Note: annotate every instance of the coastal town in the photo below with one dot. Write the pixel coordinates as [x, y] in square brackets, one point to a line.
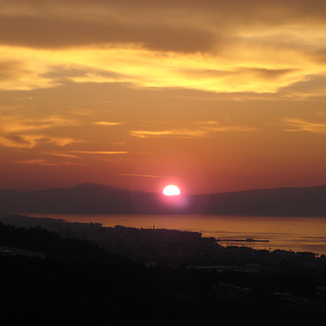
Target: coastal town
[178, 265]
[171, 246]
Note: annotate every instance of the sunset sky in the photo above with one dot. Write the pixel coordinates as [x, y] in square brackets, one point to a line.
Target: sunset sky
[209, 95]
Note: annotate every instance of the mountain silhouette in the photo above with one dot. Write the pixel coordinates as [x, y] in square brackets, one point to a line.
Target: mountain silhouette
[90, 198]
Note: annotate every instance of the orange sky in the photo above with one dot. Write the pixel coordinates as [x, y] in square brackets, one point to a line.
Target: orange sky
[210, 95]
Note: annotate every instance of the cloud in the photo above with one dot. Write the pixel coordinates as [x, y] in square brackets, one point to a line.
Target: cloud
[19, 141]
[11, 70]
[61, 154]
[22, 123]
[302, 125]
[47, 163]
[15, 131]
[18, 74]
[215, 46]
[242, 12]
[61, 141]
[142, 176]
[100, 76]
[207, 128]
[24, 98]
[62, 33]
[209, 122]
[107, 123]
[312, 86]
[267, 74]
[99, 152]
[261, 73]
[32, 140]
[175, 133]
[245, 68]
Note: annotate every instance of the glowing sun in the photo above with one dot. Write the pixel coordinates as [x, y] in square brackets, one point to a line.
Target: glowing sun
[171, 190]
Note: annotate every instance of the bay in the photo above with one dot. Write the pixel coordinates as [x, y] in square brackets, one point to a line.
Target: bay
[299, 234]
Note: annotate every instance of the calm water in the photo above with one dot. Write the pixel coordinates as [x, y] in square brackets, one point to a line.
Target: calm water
[289, 233]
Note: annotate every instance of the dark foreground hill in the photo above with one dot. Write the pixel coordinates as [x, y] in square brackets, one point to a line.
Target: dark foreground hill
[80, 284]
[99, 199]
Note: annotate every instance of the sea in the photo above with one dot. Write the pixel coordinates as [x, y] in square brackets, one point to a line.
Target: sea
[298, 234]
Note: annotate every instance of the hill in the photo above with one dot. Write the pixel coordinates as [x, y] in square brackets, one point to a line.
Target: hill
[305, 201]
[79, 284]
[100, 199]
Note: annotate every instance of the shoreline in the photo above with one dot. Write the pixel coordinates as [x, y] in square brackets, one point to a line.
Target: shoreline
[65, 228]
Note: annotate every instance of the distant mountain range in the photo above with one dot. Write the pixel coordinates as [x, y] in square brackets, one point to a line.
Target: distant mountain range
[91, 198]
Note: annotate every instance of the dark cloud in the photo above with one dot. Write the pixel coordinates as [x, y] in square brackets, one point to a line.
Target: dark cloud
[61, 73]
[267, 74]
[227, 9]
[42, 32]
[319, 56]
[167, 25]
[19, 140]
[207, 73]
[11, 70]
[296, 5]
[13, 140]
[312, 85]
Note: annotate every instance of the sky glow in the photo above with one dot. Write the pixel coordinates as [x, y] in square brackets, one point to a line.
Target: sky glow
[212, 95]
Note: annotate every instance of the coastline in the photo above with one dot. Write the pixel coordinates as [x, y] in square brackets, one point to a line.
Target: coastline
[66, 228]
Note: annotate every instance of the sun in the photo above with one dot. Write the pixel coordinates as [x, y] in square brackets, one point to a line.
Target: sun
[171, 190]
